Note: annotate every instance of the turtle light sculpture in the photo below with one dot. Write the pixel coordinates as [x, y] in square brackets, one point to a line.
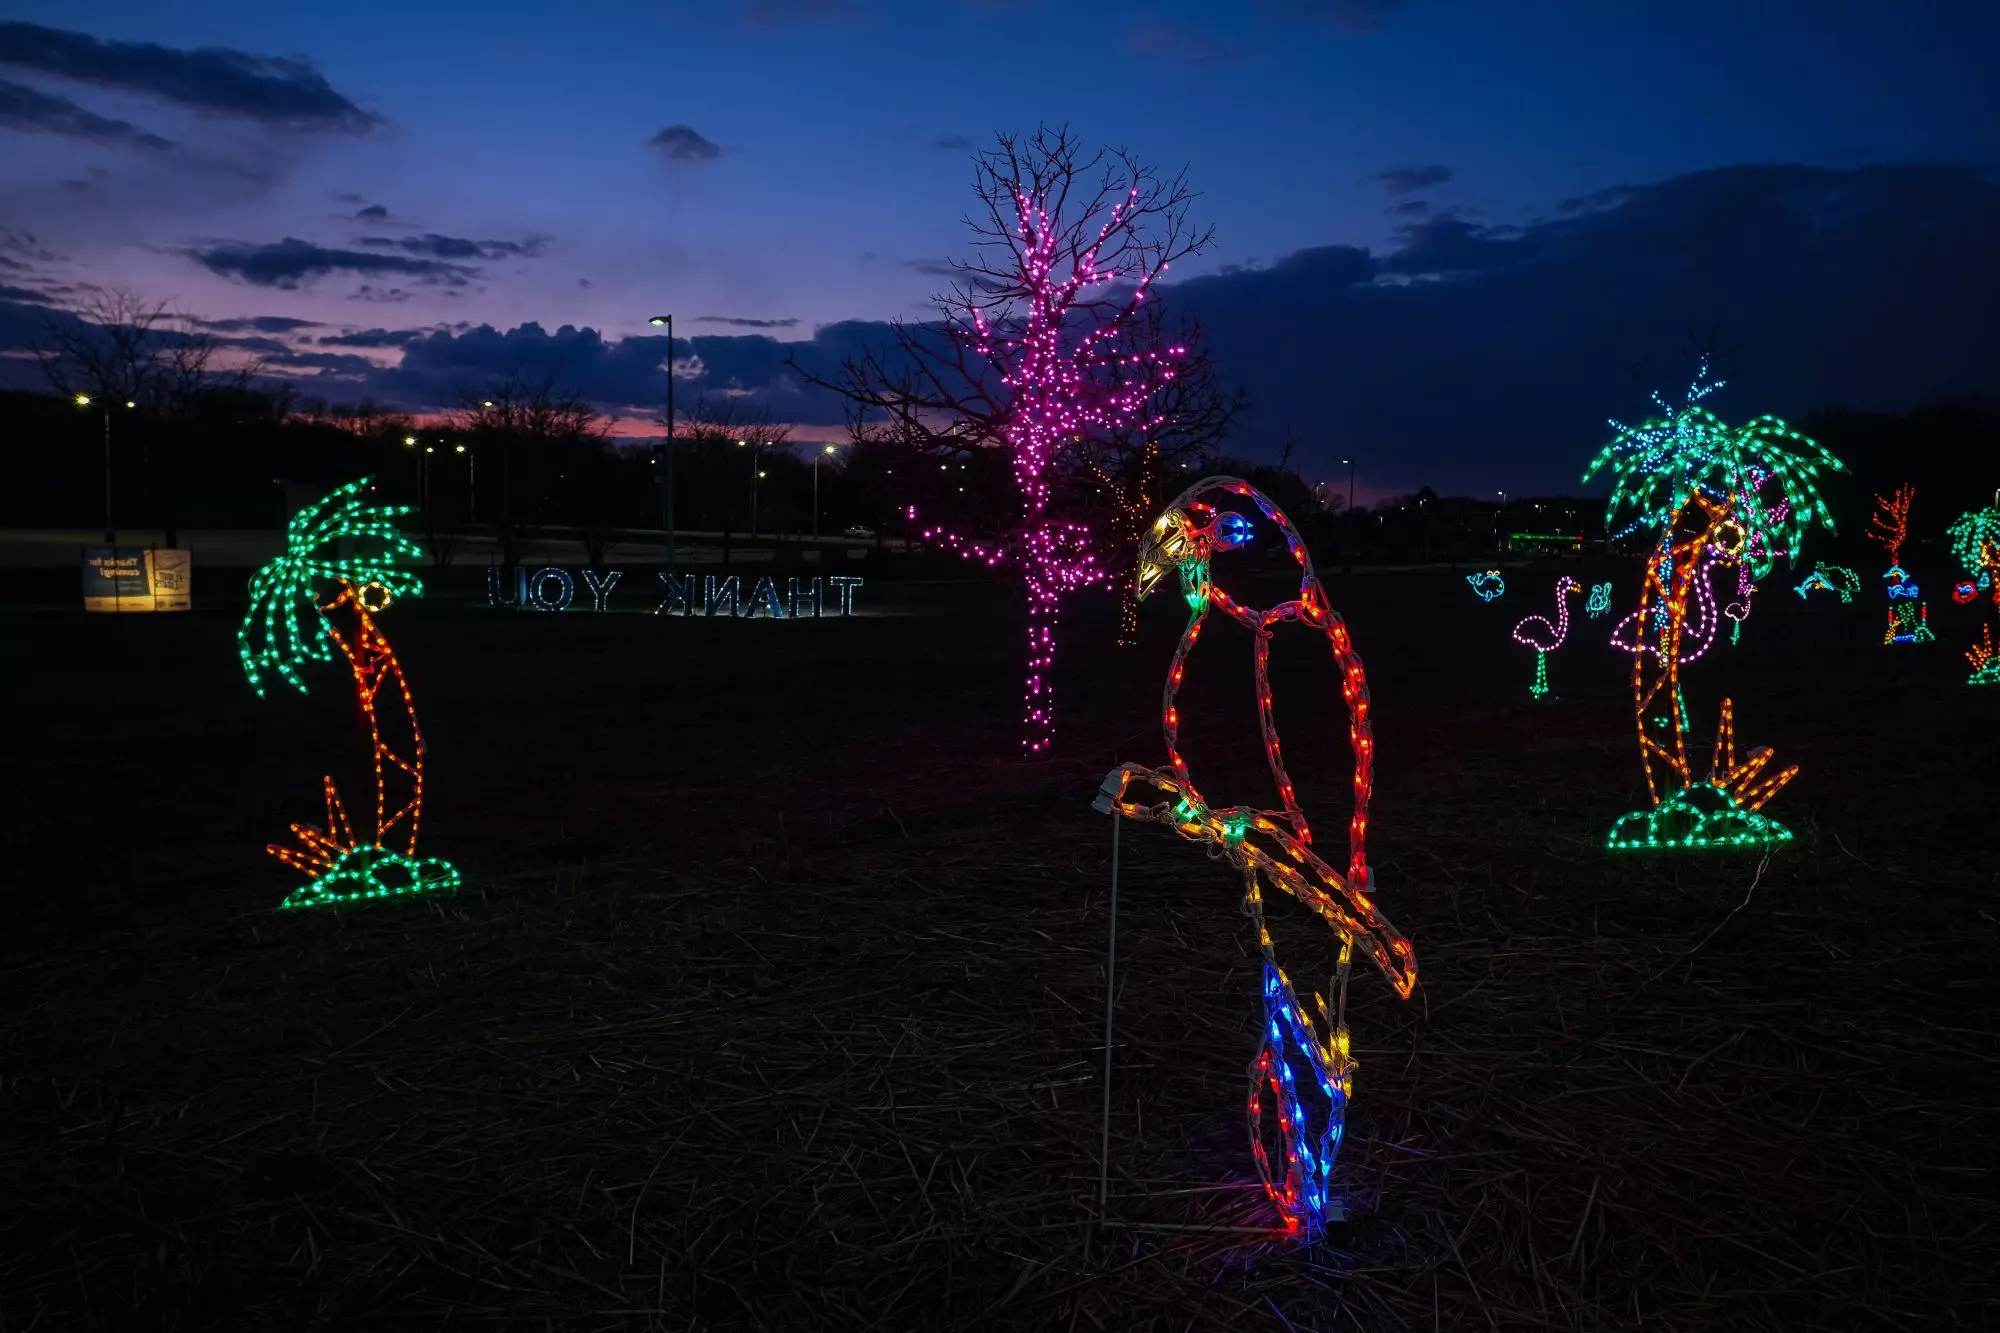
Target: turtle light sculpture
[1303, 1073]
[289, 626]
[1700, 485]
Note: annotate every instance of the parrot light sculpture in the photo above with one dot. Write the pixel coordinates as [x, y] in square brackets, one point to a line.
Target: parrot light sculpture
[1301, 1050]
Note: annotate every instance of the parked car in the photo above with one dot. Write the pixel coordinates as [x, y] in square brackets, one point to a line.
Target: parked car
[859, 533]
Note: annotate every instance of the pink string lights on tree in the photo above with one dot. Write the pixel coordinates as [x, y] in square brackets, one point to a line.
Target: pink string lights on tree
[1040, 344]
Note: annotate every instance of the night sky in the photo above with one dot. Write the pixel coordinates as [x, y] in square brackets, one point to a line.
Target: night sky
[1451, 237]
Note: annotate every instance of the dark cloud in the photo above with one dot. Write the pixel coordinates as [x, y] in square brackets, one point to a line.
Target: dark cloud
[784, 13]
[33, 111]
[952, 143]
[746, 323]
[1411, 208]
[372, 213]
[371, 338]
[382, 295]
[212, 80]
[259, 324]
[1498, 364]
[342, 364]
[931, 268]
[1448, 244]
[1355, 16]
[29, 295]
[680, 143]
[292, 263]
[1180, 44]
[1408, 180]
[458, 247]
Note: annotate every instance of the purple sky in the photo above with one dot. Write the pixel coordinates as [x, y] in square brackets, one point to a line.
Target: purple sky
[1550, 177]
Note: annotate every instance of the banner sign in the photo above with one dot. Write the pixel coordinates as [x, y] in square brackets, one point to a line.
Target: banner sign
[553, 589]
[133, 578]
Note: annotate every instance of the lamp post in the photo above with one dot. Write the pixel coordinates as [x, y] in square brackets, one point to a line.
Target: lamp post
[825, 452]
[1350, 483]
[667, 490]
[83, 401]
[471, 486]
[756, 447]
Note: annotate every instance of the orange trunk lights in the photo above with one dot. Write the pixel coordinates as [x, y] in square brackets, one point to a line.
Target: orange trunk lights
[347, 547]
[1701, 485]
[1299, 1048]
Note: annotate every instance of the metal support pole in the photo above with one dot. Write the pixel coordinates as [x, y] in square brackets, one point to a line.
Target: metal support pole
[110, 532]
[1110, 993]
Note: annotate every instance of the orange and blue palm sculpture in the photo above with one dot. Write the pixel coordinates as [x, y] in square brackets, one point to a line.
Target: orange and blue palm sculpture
[343, 549]
[1303, 1073]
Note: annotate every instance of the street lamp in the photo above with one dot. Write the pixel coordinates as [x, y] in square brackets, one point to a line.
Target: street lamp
[825, 452]
[471, 485]
[83, 400]
[667, 497]
[756, 447]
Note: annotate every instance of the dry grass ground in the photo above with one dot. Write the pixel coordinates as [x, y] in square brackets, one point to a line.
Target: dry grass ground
[774, 998]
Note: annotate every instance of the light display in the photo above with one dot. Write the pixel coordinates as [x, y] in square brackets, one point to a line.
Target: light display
[1700, 485]
[287, 626]
[1303, 1073]
[1975, 543]
[1487, 583]
[1536, 632]
[1889, 527]
[1830, 578]
[688, 595]
[600, 585]
[1054, 345]
[540, 599]
[1600, 600]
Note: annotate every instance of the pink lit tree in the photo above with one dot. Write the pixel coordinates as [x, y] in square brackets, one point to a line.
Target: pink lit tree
[1039, 345]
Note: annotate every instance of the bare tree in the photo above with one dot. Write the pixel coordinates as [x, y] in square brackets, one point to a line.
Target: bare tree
[1033, 346]
[537, 428]
[126, 354]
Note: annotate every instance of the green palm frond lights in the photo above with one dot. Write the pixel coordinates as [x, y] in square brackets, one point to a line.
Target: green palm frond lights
[286, 625]
[1659, 465]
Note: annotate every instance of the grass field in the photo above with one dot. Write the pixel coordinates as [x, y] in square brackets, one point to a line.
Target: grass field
[774, 997]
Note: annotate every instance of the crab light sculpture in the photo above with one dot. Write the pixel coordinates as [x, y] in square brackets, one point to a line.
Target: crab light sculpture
[290, 625]
[1975, 541]
[1701, 485]
[1303, 1073]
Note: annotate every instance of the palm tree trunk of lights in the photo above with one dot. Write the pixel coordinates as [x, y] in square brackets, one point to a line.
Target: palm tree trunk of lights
[1656, 666]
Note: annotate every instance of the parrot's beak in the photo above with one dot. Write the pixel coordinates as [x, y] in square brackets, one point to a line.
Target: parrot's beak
[1160, 550]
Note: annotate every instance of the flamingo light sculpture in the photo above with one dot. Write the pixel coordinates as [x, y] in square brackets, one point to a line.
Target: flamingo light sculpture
[1536, 632]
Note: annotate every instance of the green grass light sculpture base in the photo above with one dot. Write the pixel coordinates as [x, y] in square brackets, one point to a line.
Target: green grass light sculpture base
[369, 873]
[1700, 815]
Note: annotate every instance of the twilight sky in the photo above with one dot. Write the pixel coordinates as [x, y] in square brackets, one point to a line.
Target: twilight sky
[1452, 236]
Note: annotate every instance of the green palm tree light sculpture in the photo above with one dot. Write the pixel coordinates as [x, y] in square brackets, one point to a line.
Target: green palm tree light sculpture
[1719, 497]
[339, 556]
